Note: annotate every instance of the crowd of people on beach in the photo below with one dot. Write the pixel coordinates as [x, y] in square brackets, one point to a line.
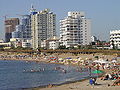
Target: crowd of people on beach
[112, 76]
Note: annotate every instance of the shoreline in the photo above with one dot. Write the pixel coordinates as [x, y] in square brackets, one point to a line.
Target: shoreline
[55, 85]
[80, 85]
[61, 84]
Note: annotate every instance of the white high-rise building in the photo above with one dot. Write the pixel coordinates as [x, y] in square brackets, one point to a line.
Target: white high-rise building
[115, 39]
[75, 30]
[43, 26]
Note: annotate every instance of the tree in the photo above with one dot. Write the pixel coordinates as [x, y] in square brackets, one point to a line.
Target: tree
[62, 47]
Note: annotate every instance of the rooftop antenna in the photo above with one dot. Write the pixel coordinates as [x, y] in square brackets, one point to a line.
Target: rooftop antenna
[32, 8]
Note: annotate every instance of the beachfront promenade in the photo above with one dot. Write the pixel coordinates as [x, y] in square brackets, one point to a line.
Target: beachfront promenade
[76, 51]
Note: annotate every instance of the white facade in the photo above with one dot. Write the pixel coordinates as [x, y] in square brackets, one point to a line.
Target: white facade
[53, 45]
[1, 41]
[115, 38]
[8, 44]
[75, 29]
[43, 26]
[44, 44]
[20, 42]
[26, 44]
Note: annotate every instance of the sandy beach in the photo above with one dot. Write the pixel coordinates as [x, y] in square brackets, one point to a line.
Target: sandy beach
[82, 85]
[35, 57]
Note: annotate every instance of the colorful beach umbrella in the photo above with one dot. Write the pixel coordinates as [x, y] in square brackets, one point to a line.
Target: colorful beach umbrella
[100, 61]
[113, 61]
[69, 58]
[97, 71]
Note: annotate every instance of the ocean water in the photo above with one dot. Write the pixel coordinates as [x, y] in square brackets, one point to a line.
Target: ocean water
[16, 74]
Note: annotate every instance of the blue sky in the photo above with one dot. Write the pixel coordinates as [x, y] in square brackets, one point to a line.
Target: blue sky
[104, 14]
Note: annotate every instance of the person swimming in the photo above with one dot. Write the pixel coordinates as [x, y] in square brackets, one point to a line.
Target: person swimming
[57, 68]
[64, 71]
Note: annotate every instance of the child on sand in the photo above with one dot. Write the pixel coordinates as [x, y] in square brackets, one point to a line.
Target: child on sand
[91, 82]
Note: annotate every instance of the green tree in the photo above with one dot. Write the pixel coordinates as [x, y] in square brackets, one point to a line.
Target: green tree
[62, 47]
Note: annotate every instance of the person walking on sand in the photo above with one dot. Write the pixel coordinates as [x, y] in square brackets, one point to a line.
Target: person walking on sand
[94, 81]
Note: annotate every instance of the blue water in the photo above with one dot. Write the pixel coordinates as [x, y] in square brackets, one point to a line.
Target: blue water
[12, 75]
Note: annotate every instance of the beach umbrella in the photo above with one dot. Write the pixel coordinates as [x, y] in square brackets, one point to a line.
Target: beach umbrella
[69, 58]
[97, 61]
[103, 61]
[60, 59]
[79, 59]
[97, 71]
[100, 61]
[114, 61]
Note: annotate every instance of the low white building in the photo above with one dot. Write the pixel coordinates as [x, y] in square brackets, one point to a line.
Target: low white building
[19, 42]
[5, 45]
[51, 43]
[1, 41]
[26, 44]
[44, 44]
[115, 39]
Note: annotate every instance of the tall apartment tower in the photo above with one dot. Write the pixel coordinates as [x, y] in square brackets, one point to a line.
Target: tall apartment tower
[75, 30]
[10, 25]
[43, 26]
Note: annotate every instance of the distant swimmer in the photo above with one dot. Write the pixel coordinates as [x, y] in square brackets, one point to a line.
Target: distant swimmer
[57, 68]
[79, 69]
[26, 61]
[43, 69]
[31, 70]
[24, 70]
[64, 71]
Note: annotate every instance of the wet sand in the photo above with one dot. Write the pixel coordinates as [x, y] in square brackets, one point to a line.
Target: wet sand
[84, 85]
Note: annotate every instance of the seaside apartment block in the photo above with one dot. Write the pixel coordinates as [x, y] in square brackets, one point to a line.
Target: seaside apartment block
[75, 30]
[115, 39]
[43, 27]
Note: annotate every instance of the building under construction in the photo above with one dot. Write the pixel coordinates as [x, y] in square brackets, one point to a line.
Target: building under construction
[10, 25]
